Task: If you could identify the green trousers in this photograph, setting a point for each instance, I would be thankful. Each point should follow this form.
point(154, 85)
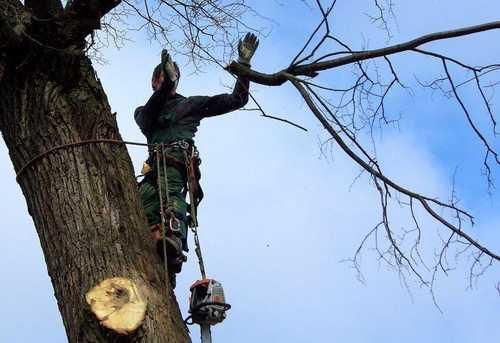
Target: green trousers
point(148, 190)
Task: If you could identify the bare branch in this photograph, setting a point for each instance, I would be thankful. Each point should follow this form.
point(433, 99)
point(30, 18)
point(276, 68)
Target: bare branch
point(378, 175)
point(487, 145)
point(385, 10)
point(486, 102)
point(202, 26)
point(324, 21)
point(370, 54)
point(82, 17)
point(312, 69)
point(14, 21)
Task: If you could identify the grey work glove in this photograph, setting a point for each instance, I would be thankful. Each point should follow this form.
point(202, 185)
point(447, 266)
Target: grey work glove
point(169, 66)
point(246, 48)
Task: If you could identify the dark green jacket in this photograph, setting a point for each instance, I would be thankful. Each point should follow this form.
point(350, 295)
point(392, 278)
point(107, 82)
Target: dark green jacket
point(166, 118)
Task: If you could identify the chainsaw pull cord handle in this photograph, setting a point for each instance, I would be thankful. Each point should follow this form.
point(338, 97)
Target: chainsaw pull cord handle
point(194, 218)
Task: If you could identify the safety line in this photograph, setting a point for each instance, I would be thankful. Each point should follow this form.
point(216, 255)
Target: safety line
point(76, 144)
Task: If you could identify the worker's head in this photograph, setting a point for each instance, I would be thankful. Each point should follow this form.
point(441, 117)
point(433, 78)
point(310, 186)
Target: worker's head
point(159, 77)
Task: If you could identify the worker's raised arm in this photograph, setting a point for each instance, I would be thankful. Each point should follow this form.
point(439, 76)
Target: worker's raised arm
point(164, 81)
point(224, 103)
point(209, 106)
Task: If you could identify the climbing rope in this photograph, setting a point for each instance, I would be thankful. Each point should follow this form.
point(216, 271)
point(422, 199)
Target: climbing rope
point(72, 145)
point(162, 208)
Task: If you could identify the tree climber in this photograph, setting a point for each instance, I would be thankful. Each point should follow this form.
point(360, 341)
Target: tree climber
point(171, 119)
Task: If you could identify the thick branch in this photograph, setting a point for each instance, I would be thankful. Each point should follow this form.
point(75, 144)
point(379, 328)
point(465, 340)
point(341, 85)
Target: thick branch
point(13, 23)
point(311, 69)
point(276, 79)
point(7, 34)
point(365, 55)
point(44, 9)
point(84, 16)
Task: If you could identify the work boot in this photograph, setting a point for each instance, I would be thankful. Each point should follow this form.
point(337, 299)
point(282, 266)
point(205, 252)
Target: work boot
point(175, 263)
point(173, 243)
point(175, 257)
point(173, 246)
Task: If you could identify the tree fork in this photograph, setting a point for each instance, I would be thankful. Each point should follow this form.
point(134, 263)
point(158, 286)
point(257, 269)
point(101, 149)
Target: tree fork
point(44, 8)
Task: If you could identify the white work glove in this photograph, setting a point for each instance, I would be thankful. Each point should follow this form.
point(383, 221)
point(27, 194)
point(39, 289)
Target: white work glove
point(246, 48)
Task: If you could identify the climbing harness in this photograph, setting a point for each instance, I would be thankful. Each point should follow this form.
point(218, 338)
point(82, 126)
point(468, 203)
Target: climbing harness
point(207, 303)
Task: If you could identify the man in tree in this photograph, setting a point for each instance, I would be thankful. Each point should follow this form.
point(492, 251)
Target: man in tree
point(171, 120)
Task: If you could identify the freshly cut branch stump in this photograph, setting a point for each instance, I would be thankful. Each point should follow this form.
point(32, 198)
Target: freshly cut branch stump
point(118, 304)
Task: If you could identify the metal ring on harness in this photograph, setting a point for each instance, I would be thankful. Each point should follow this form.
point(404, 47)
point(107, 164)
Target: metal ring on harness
point(174, 224)
point(180, 144)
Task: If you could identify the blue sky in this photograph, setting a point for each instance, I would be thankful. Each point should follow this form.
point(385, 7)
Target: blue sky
point(278, 217)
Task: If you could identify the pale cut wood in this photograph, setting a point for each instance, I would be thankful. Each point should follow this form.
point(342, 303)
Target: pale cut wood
point(119, 304)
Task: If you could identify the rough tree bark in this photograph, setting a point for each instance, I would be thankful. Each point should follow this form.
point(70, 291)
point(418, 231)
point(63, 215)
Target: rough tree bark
point(83, 200)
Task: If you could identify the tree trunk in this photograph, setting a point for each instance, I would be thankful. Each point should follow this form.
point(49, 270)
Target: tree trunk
point(83, 199)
